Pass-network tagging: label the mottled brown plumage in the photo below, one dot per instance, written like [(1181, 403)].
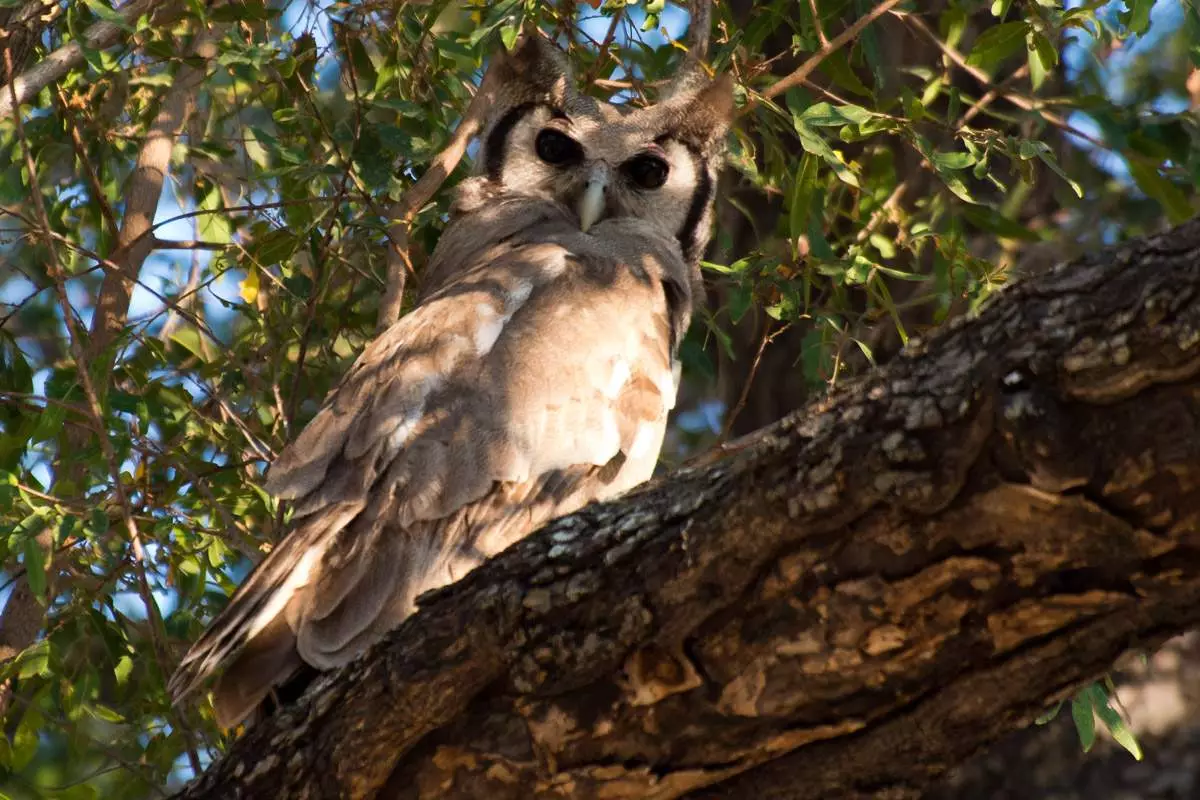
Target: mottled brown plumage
[(534, 376)]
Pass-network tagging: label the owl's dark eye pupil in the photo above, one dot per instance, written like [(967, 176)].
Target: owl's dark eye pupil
[(648, 172), (555, 147)]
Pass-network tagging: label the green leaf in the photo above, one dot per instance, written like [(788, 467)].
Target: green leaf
[(803, 185), (122, 670), (275, 247), (885, 246), (1041, 150), (996, 44), (953, 160), (364, 68), (739, 302), (1085, 720), (1116, 726), (1166, 193), (25, 741), (1042, 58), (34, 661), (1137, 18), (35, 565), (1049, 714), (812, 142), (952, 24), (214, 226), (105, 12), (189, 338), (826, 114), (990, 220), (837, 65), (945, 164)]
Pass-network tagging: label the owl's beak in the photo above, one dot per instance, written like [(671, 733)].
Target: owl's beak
[(591, 204)]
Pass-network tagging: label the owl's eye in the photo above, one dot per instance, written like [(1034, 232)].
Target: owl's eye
[(648, 172), (555, 147)]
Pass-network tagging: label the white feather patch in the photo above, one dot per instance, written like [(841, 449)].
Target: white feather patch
[(611, 435), (297, 579), (648, 436), (620, 375), (413, 412), (491, 324), (668, 383)]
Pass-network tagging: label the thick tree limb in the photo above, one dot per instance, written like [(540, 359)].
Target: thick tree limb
[(867, 593)]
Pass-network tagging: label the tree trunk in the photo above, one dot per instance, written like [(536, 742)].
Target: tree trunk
[(850, 603)]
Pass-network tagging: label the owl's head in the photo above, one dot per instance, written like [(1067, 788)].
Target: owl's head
[(658, 163)]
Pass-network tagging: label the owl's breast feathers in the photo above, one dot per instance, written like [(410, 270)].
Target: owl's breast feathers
[(536, 376)]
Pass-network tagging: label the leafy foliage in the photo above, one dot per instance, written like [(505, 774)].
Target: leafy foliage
[(942, 149)]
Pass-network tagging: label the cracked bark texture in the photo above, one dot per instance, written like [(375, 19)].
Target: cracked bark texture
[(854, 601)]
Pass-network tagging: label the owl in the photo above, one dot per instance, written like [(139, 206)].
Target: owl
[(534, 375)]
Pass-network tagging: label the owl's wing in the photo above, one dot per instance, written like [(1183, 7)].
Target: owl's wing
[(538, 382)]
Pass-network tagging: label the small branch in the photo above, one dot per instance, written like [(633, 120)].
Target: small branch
[(187, 244), (403, 212), (797, 76), (605, 45), (885, 210), (111, 267), (767, 337), (1020, 101), (85, 162), (100, 35), (821, 37), (990, 96), (142, 193)]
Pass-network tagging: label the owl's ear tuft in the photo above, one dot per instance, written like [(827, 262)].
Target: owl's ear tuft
[(703, 108), (535, 70)]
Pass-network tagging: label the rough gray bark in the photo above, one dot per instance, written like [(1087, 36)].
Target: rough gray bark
[(848, 605)]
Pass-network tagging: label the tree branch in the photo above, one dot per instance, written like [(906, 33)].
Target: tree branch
[(801, 73), (142, 193), (64, 59), (404, 211), (856, 599)]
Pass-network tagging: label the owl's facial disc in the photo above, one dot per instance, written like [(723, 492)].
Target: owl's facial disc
[(593, 199)]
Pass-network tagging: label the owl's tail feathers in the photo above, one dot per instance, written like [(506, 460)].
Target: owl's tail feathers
[(253, 641), (267, 660)]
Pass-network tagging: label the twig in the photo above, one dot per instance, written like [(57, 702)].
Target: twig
[(797, 76), (767, 337), (821, 37), (190, 288), (89, 170), (889, 205), (187, 244), (404, 210), (990, 96), (100, 35), (1018, 100), (605, 44), (113, 267)]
